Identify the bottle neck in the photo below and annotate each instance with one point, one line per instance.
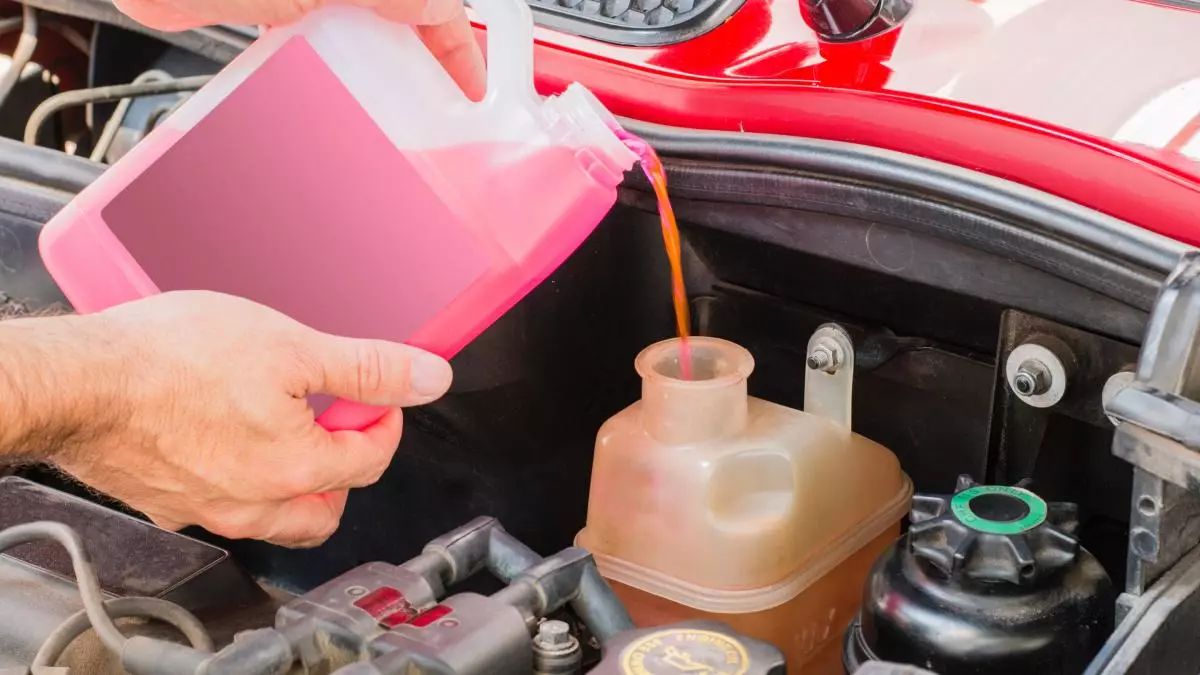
(578, 119)
(711, 405)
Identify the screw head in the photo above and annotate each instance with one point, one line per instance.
(1032, 378)
(356, 591)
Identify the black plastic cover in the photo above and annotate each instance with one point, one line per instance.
(1023, 598)
(180, 569)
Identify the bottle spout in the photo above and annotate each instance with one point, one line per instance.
(712, 404)
(585, 123)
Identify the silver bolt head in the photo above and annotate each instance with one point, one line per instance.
(554, 633)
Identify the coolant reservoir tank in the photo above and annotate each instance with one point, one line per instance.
(706, 502)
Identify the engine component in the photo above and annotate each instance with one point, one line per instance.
(23, 54)
(555, 650)
(60, 102)
(393, 613)
(988, 580)
(36, 593)
(380, 619)
(133, 118)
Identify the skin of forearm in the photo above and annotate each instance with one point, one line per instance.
(59, 386)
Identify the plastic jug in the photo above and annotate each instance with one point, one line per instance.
(335, 172)
(708, 503)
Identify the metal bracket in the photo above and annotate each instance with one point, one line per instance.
(829, 375)
(1077, 365)
(1158, 431)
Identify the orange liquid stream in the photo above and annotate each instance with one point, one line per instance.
(653, 168)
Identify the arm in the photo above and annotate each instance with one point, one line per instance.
(46, 405)
(192, 408)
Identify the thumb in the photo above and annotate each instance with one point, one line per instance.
(377, 372)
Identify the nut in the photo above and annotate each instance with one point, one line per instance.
(826, 356)
(1038, 372)
(1033, 378)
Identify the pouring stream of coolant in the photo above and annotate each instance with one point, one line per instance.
(653, 168)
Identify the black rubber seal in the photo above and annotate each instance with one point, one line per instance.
(1094, 250)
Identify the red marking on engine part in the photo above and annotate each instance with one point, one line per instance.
(398, 618)
(430, 616)
(388, 606)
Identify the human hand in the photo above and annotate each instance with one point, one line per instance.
(207, 421)
(442, 24)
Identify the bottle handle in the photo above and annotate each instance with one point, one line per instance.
(509, 26)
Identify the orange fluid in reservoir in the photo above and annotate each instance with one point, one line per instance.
(653, 168)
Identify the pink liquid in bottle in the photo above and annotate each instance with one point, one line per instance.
(288, 192)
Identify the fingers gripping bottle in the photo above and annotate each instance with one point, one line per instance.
(335, 172)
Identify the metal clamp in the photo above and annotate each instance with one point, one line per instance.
(1158, 431)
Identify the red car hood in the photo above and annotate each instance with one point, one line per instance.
(1097, 101)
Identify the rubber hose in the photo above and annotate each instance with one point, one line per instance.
(116, 92)
(119, 608)
(109, 134)
(23, 53)
(85, 573)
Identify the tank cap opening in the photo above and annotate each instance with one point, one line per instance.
(714, 362)
(999, 509)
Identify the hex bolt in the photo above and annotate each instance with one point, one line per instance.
(826, 356)
(553, 634)
(555, 650)
(1033, 378)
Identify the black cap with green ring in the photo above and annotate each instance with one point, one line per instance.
(993, 533)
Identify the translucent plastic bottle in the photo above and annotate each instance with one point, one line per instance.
(708, 503)
(335, 172)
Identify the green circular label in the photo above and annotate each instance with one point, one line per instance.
(992, 509)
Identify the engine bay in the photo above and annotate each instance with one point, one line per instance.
(982, 393)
